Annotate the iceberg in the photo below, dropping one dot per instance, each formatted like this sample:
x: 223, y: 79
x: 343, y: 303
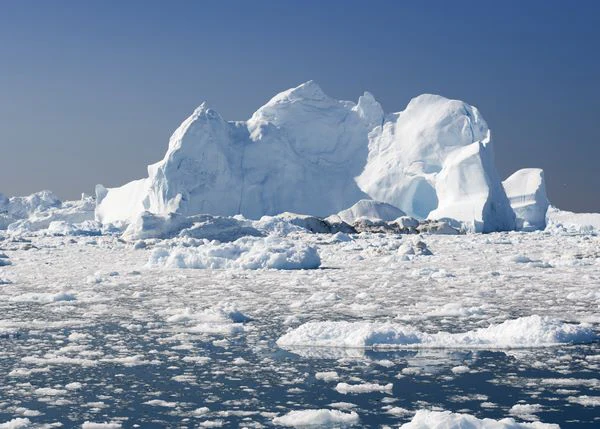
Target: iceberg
x: 305, y: 152
x: 435, y: 160
x: 469, y: 190
x: 526, y: 191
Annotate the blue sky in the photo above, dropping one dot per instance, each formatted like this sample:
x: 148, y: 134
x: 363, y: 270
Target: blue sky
x: 91, y: 91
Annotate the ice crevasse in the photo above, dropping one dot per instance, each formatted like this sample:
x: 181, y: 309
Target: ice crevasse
x: 305, y: 152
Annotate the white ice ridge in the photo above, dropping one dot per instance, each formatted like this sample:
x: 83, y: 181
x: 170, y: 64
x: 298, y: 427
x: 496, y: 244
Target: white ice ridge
x: 251, y: 253
x: 524, y: 332
x: 425, y: 419
x: 526, y: 191
x: 305, y: 152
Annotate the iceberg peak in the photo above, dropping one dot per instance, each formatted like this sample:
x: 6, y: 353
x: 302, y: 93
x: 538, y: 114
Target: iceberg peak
x: 309, y: 90
x: 369, y: 109
x: 205, y: 111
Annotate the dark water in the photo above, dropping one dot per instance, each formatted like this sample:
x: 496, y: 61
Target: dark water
x: 276, y: 381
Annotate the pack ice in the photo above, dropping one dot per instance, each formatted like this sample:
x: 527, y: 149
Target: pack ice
x: 305, y: 152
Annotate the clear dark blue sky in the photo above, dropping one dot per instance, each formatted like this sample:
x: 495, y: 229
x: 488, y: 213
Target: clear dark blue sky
x: 90, y: 91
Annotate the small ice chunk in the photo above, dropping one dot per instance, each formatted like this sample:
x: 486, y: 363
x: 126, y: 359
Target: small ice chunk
x: 327, y: 376
x: 345, y: 388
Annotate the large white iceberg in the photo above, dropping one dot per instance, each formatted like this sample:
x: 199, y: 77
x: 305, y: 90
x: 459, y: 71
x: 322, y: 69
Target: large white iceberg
x: 526, y: 191
x: 305, y: 152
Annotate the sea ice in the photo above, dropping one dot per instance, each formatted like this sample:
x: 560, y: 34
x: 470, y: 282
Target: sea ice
x: 246, y: 253
x: 321, y: 417
x: 16, y: 423
x: 531, y: 331
x: 425, y: 419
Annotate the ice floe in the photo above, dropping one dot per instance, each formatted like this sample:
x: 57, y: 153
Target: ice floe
x: 16, y: 423
x: 345, y: 388
x: 425, y: 419
x: 320, y: 417
x: 524, y: 332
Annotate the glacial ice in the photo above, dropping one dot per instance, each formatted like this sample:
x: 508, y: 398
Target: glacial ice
x: 469, y: 190
x: 305, y: 152
x: 435, y: 159
x: 526, y: 191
